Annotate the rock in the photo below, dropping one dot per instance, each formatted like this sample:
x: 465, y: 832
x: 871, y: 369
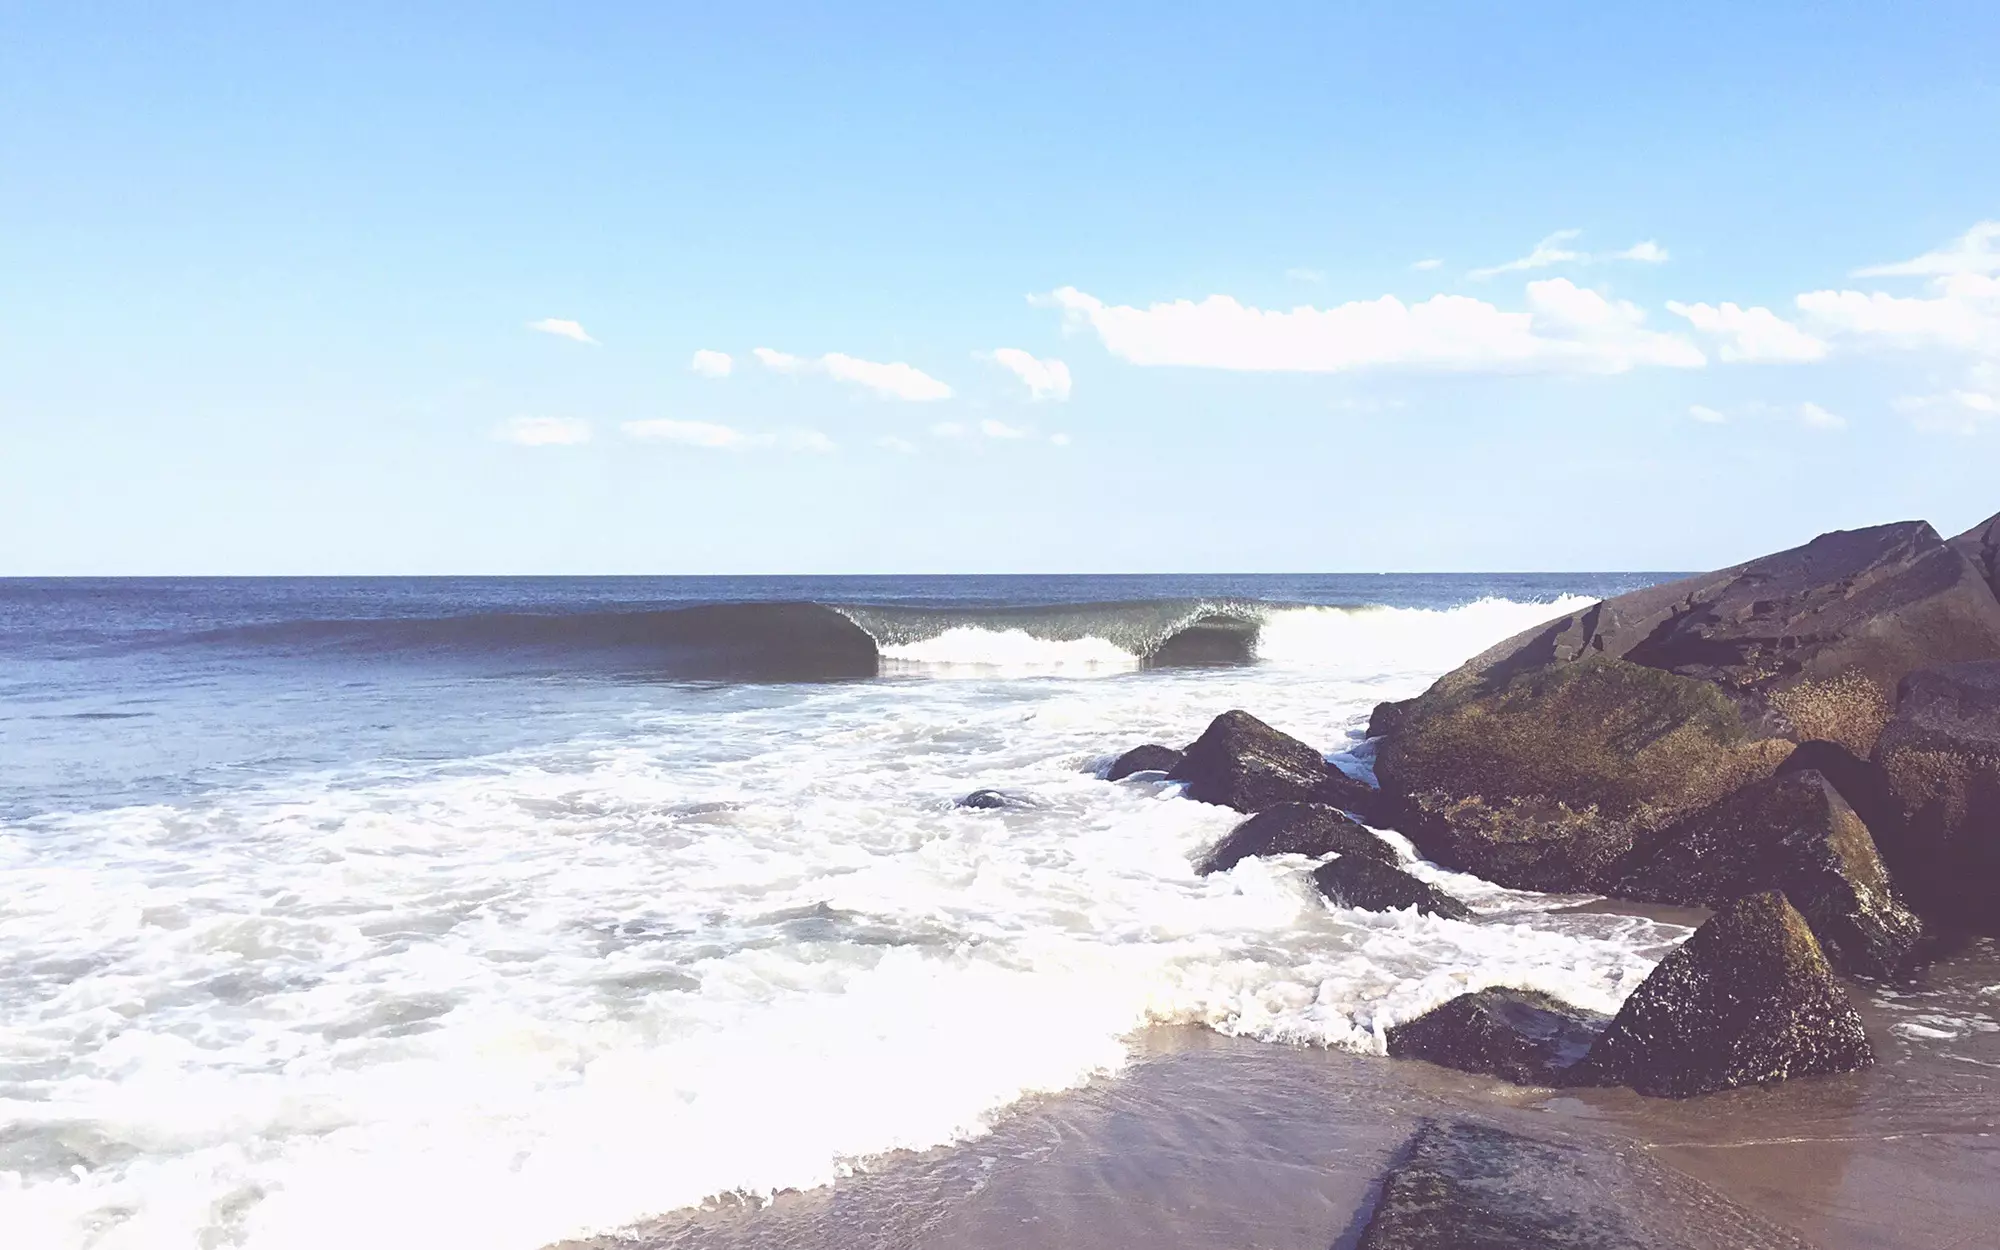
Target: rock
x: 1941, y: 755
x: 1460, y: 1185
x: 1517, y: 1035
x: 1547, y: 758
x: 1548, y: 779
x: 1241, y: 762
x: 1151, y: 758
x: 1349, y: 794
x: 1313, y: 829
x: 1748, y: 1000
x: 1387, y: 718
x: 1370, y: 885
x: 1863, y: 784
x: 985, y: 800
x: 1794, y: 833
x: 1981, y: 545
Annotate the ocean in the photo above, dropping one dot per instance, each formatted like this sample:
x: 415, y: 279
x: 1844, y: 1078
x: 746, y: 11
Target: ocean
x: 491, y: 912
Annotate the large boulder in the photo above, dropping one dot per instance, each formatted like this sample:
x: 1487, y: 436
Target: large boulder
x: 1241, y: 762
x: 1462, y: 1185
x: 1150, y: 758
x: 1748, y: 1000
x: 1313, y: 829
x: 1941, y: 756
x: 1547, y: 758
x: 1518, y: 1035
x: 1370, y: 885
x: 1795, y: 833
x: 1981, y: 545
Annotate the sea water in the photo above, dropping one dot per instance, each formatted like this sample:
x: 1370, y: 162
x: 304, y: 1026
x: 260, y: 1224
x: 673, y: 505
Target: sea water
x: 492, y: 912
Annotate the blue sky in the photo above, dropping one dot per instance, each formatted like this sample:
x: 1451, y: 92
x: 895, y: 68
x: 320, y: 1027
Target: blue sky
x: 270, y: 283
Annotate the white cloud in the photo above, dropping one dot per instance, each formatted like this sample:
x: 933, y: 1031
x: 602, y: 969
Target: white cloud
x: 1045, y: 379
x: 715, y: 436
x: 1306, y: 275
x: 1429, y: 262
x: 1975, y: 251
x: 895, y: 379
x: 1566, y: 329
x: 901, y: 446
x: 562, y: 329
x: 1963, y: 314
x: 1815, y: 417
x: 1750, y: 334
x: 689, y: 433
x: 1706, y: 415
x: 711, y: 364
x: 999, y: 429
x: 1647, y: 253
x: 1060, y: 440
x: 1550, y: 251
x: 544, y: 431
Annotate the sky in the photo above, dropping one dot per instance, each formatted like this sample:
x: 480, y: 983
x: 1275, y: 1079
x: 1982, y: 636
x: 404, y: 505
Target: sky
x: 873, y: 288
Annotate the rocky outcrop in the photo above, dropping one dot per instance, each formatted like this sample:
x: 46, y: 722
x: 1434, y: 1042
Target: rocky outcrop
x: 1313, y: 829
x: 1794, y: 833
x: 1241, y: 762
x: 1150, y: 758
x: 1517, y: 1035
x: 984, y: 800
x: 1462, y: 1185
x: 1549, y: 777
x: 1369, y: 885
x: 1981, y: 545
x: 1941, y: 757
x: 1547, y: 759
x: 1748, y: 1000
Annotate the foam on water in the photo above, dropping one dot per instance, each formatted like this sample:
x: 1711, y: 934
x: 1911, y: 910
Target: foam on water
x: 739, y: 940
x: 972, y: 651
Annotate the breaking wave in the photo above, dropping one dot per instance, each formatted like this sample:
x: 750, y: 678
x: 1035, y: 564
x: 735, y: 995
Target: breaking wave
x: 834, y: 642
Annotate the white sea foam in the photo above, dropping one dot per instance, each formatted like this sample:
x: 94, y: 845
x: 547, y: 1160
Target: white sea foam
x: 738, y: 941
x: 969, y: 650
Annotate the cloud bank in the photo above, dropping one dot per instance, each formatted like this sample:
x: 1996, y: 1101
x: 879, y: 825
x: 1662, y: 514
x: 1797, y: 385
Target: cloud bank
x: 1565, y: 329
x: 1045, y: 379
x: 562, y: 329
x: 893, y: 380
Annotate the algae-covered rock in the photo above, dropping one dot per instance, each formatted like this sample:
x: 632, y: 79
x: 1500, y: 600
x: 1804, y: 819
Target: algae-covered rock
x: 1543, y: 780
x: 1313, y: 829
x: 1794, y: 833
x: 1941, y: 755
x: 1748, y: 1000
x: 1241, y: 762
x: 1542, y: 761
x: 1367, y: 884
x: 1518, y: 1035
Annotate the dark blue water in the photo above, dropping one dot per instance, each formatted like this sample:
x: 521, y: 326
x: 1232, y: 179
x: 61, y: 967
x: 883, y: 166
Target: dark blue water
x: 121, y: 691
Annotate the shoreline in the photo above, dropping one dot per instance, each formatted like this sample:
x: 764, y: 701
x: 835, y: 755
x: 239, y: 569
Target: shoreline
x: 1208, y: 1140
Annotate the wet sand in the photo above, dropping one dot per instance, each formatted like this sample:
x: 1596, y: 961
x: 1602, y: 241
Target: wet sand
x: 1207, y: 1141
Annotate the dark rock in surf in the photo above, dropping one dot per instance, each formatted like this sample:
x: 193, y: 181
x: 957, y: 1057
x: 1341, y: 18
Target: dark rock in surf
x: 985, y: 800
x: 1460, y: 1185
x: 1241, y: 762
x: 1516, y: 1035
x: 1941, y: 756
x: 1313, y: 829
x: 1367, y: 884
x: 1981, y: 545
x: 1150, y: 758
x: 1544, y: 761
x: 1349, y: 794
x: 1748, y: 1000
x: 1865, y: 787
x: 1794, y: 833
x: 1387, y: 718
